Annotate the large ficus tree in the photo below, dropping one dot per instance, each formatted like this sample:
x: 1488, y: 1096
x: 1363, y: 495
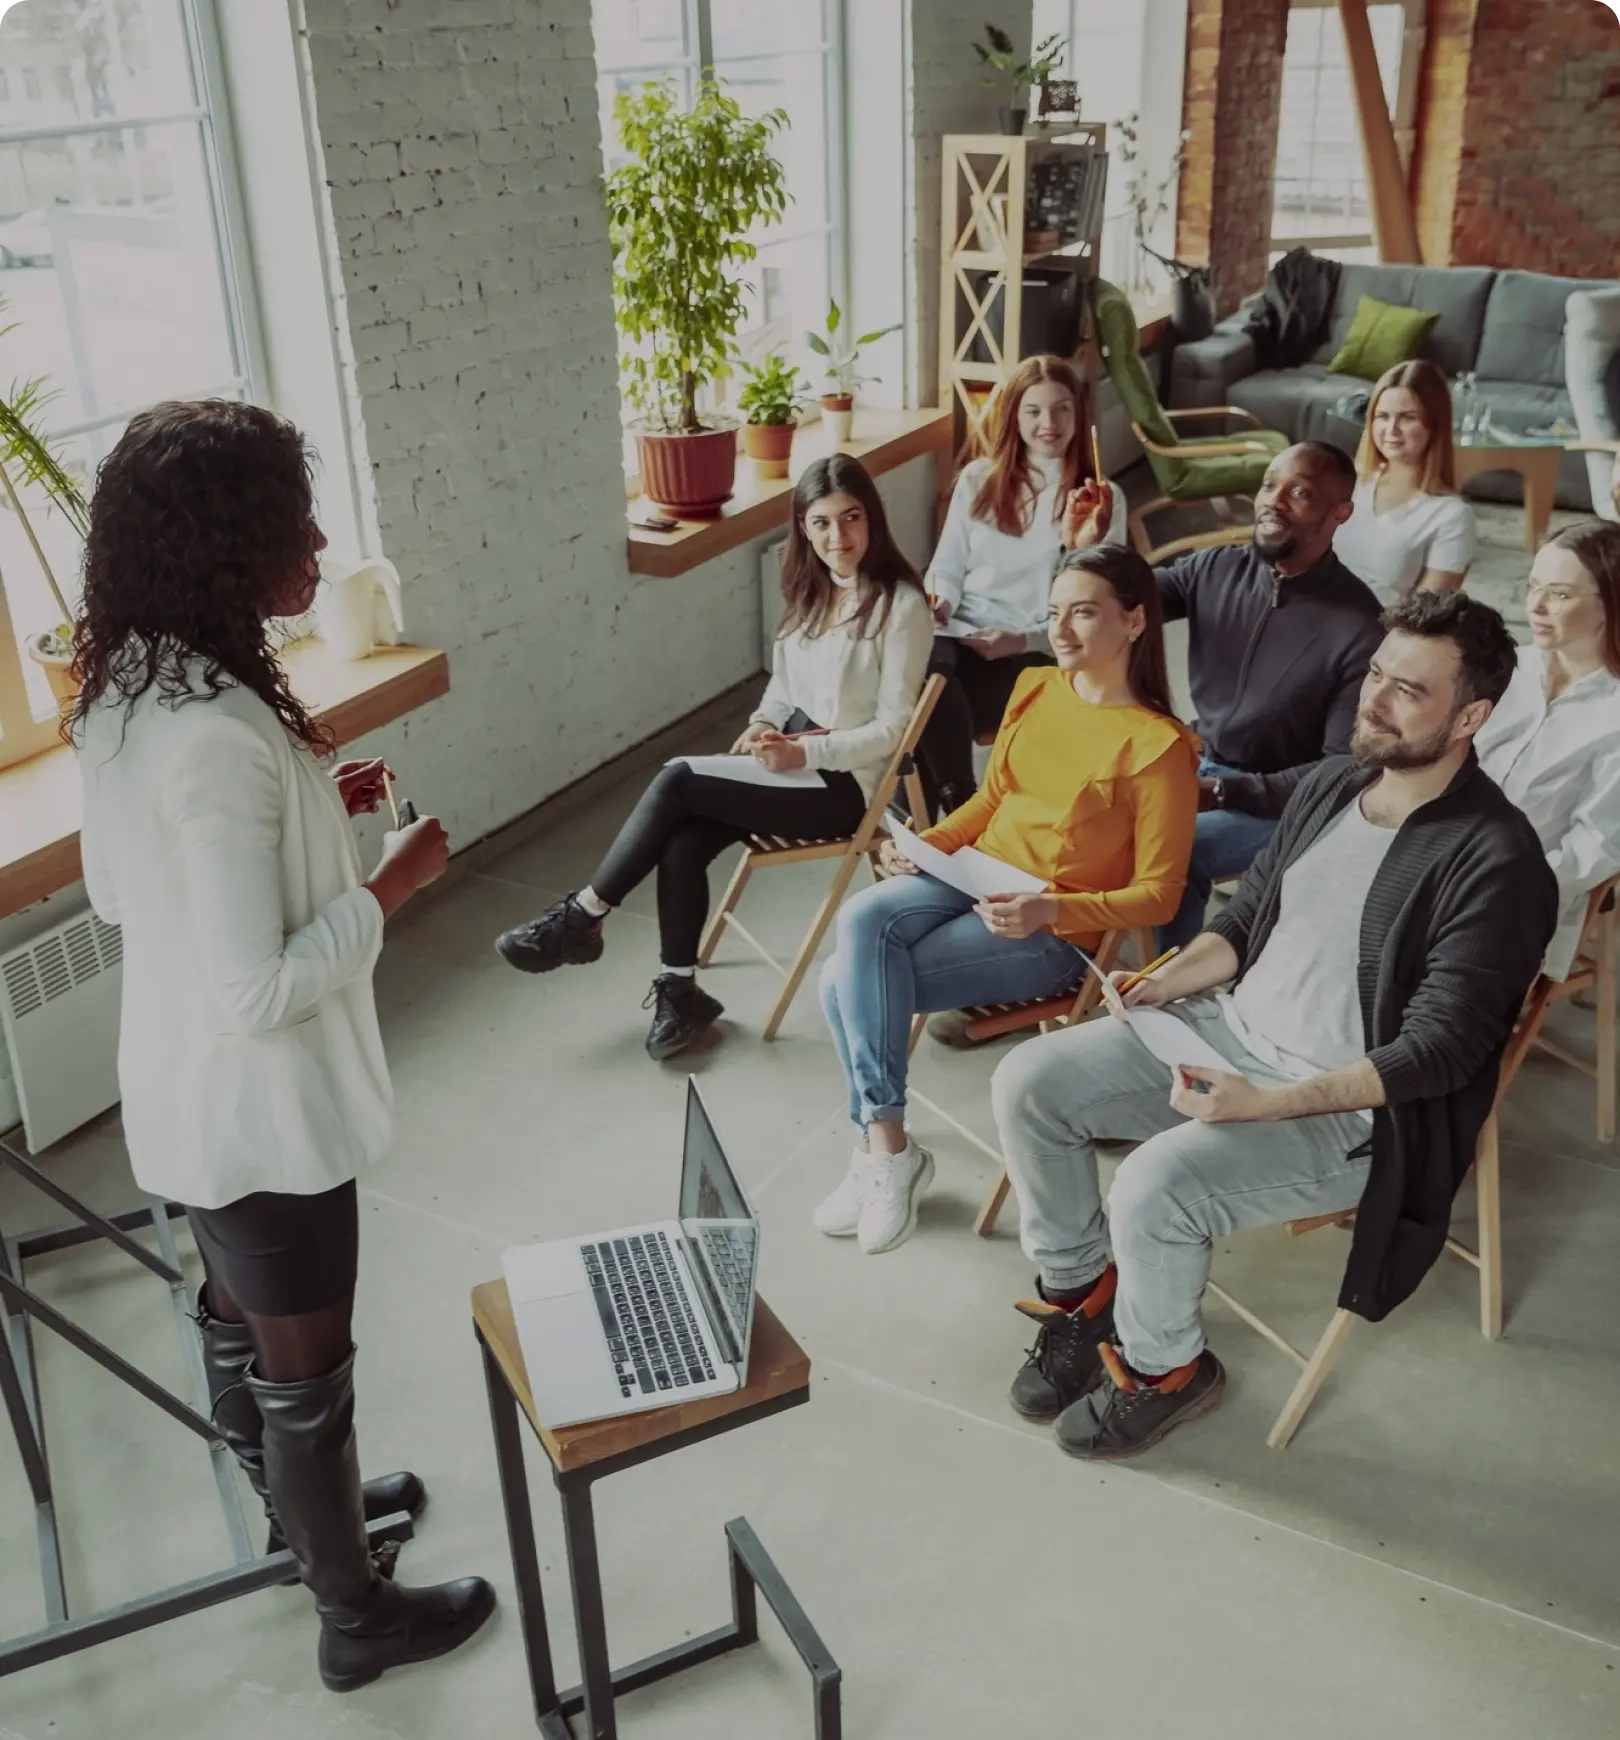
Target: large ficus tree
x: 679, y: 214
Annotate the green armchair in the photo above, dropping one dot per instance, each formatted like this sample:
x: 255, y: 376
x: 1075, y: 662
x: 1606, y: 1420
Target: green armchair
x: 1217, y: 469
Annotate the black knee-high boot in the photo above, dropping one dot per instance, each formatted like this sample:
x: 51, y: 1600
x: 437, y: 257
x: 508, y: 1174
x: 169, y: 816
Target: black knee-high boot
x: 227, y: 1350
x: 312, y: 1469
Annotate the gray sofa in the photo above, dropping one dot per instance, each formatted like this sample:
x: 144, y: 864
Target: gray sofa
x: 1506, y: 327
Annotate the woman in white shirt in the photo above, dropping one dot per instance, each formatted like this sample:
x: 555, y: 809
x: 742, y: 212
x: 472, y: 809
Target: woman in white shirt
x: 1013, y: 512
x: 1410, y: 531
x: 1553, y: 741
x: 847, y: 667
x: 252, y: 1072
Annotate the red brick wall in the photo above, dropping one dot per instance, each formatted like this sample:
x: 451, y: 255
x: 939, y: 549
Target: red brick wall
x: 1231, y: 103
x: 1518, y: 159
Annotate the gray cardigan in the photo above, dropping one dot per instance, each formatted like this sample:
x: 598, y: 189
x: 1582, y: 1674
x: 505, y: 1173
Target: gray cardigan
x: 1452, y: 936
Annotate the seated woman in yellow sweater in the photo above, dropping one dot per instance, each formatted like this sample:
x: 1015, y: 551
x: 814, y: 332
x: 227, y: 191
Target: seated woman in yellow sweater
x: 1093, y: 787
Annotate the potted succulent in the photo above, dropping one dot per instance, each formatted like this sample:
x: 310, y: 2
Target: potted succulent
x: 680, y: 213
x: 840, y: 376
x: 999, y: 58
x: 770, y: 399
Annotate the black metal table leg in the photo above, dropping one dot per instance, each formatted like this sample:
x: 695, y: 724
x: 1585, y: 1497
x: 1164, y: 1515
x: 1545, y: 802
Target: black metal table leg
x: 514, y: 1484
x: 585, y: 1578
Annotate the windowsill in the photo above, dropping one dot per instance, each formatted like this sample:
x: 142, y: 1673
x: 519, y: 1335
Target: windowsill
x: 40, y: 801
x: 881, y: 440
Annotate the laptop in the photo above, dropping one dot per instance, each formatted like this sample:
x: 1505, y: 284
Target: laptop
x: 619, y: 1322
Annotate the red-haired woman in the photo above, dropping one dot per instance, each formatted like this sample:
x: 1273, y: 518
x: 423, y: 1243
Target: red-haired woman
x: 1410, y: 530
x: 1014, y: 510
x: 848, y: 664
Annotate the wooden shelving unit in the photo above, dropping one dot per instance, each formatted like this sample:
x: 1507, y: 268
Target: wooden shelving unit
x: 995, y: 189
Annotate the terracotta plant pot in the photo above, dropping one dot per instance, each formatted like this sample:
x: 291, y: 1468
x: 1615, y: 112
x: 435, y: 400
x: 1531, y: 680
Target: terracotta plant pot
x: 769, y: 445
x: 58, y: 669
x: 688, y: 474
x: 838, y: 413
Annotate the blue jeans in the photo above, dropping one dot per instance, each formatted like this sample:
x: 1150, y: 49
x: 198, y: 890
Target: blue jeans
x: 912, y: 944
x: 1226, y: 843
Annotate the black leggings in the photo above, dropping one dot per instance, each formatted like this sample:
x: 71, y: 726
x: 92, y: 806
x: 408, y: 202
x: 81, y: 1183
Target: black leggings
x: 975, y: 696
x: 685, y: 820
x: 286, y: 1266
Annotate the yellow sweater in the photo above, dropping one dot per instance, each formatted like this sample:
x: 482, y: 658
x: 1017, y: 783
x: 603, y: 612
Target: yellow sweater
x: 1100, y: 802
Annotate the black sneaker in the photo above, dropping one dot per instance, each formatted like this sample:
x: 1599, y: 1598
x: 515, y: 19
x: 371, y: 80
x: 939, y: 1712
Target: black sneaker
x: 1122, y: 1417
x: 1064, y: 1362
x: 564, y: 935
x: 682, y: 1009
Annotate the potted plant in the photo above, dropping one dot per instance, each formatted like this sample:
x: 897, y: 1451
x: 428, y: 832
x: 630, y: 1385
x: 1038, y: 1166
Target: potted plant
x: 999, y: 58
x: 770, y: 399
x: 25, y: 451
x: 840, y: 376
x: 680, y: 213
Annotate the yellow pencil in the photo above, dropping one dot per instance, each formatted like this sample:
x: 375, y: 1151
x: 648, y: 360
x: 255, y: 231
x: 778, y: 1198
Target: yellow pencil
x: 388, y: 792
x: 1096, y: 454
x: 1152, y: 967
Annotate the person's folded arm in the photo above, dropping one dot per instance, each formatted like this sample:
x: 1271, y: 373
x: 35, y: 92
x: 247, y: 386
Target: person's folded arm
x: 775, y: 705
x: 1589, y: 851
x: 1164, y: 797
x: 946, y: 579
x: 906, y: 642
x: 223, y: 798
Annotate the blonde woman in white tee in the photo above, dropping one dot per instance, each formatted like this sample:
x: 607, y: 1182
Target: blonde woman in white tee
x: 1012, y: 514
x: 1410, y: 530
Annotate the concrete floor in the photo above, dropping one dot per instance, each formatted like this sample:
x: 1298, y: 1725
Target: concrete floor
x: 1435, y: 1555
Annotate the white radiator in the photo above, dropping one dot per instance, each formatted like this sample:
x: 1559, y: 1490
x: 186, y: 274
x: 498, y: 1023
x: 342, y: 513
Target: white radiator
x: 59, y: 997
x: 770, y: 598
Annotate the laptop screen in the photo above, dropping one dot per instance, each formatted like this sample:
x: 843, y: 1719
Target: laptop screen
x: 710, y: 1191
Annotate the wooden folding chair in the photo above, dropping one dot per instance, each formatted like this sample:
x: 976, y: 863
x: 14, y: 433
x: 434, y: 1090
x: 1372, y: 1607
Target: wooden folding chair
x: 991, y: 1020
x: 770, y: 852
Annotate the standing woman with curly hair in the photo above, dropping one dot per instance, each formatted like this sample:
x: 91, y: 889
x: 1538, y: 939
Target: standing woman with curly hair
x: 251, y: 1066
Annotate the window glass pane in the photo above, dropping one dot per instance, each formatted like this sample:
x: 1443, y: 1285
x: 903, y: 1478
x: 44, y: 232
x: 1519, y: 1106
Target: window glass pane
x: 764, y: 26
x: 68, y: 61
x: 638, y: 32
x: 792, y: 82
x: 790, y: 299
x: 608, y: 87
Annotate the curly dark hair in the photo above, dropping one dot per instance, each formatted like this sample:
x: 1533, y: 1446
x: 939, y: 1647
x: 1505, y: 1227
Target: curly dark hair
x: 203, y: 517
x: 1487, y: 654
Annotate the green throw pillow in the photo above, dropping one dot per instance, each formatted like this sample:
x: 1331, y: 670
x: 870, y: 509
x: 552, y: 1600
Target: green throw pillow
x: 1380, y: 336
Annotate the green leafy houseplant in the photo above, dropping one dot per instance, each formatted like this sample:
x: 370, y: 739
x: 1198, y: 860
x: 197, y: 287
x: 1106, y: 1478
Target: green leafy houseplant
x: 841, y: 354
x: 679, y: 216
x: 774, y: 391
x: 999, y: 57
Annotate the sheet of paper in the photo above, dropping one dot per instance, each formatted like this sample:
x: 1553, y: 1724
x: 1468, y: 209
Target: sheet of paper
x: 1167, y: 1036
x: 972, y: 871
x: 746, y: 771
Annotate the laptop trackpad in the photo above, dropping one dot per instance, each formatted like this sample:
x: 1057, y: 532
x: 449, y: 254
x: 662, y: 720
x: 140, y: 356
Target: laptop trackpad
x: 576, y: 1380
x: 543, y: 1271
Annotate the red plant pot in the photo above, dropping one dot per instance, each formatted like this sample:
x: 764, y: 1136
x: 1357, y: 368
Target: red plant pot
x: 688, y: 474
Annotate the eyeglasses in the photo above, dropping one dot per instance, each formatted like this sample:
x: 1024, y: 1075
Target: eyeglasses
x: 1555, y: 594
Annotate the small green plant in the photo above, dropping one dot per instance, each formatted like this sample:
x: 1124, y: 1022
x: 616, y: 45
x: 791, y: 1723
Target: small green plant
x: 679, y: 216
x: 841, y: 353
x: 998, y: 56
x: 774, y: 391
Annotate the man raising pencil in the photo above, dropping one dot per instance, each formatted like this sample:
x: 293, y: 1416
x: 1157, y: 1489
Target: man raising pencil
x: 1377, y: 954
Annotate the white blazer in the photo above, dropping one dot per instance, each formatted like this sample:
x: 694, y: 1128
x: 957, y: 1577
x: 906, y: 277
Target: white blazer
x: 249, y: 1055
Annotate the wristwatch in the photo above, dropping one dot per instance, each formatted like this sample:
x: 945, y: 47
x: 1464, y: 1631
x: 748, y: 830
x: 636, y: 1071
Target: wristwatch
x: 1217, y: 791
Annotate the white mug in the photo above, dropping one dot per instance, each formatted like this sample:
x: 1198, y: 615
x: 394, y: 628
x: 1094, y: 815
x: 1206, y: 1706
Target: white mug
x: 345, y: 607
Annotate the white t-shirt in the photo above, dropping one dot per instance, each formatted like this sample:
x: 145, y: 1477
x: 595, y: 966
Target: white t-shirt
x: 1389, y: 550
x: 991, y: 580
x: 1298, y: 1008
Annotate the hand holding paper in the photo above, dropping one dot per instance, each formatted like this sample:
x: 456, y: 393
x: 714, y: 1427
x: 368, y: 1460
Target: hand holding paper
x: 1169, y: 1038
x: 968, y: 869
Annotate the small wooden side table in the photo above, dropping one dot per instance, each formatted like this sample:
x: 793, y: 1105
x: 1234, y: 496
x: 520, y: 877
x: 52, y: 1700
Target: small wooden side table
x: 778, y: 1379
x: 1535, y: 462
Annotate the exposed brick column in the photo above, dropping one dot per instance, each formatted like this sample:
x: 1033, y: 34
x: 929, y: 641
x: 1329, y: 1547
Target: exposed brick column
x: 1231, y: 106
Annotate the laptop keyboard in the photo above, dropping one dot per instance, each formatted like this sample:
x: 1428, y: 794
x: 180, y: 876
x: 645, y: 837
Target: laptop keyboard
x: 730, y: 1251
x: 651, y: 1333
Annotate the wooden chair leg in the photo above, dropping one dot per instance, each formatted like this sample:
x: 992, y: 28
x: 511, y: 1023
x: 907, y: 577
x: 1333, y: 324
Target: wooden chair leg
x: 728, y: 905
x: 918, y: 1022
x: 1488, y: 1197
x: 1310, y: 1380
x: 991, y: 1212
x: 1603, y: 991
x: 807, y: 952
x: 916, y: 801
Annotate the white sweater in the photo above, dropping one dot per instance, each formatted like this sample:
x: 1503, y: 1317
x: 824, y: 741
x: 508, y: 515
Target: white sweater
x: 991, y: 580
x: 249, y: 1056
x: 860, y: 688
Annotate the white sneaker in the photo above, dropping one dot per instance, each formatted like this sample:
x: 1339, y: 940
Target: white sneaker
x: 889, y: 1217
x: 840, y: 1214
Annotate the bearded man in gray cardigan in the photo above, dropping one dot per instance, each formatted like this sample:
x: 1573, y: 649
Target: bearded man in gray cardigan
x: 1374, y: 961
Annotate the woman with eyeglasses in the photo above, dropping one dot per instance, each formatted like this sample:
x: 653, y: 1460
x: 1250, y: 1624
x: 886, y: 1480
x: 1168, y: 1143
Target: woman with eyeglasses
x: 1093, y: 788
x: 1553, y: 741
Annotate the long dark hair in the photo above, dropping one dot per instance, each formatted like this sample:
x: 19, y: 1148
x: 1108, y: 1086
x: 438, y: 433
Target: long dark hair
x: 201, y: 513
x: 808, y: 589
x: 1595, y: 544
x: 1009, y: 492
x: 1131, y: 581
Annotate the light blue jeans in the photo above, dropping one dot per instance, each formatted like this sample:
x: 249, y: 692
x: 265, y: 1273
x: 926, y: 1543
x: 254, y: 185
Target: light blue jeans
x: 1225, y: 843
x: 912, y: 944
